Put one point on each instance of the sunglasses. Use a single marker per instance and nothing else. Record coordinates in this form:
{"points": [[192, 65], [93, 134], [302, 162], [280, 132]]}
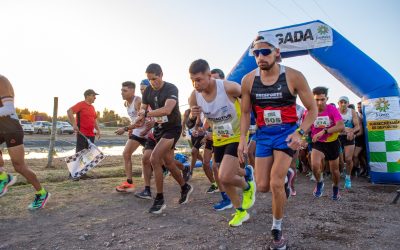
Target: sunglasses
{"points": [[264, 52]]}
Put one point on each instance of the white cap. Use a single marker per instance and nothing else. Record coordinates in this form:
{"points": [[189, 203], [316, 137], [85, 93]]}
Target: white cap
{"points": [[267, 38]]}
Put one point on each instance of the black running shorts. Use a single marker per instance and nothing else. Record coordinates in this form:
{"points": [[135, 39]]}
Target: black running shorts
{"points": [[329, 149], [141, 140], [197, 141], [228, 149], [344, 142], [11, 132], [172, 133]]}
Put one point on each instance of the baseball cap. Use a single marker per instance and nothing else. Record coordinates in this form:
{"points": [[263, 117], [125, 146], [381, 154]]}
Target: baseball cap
{"points": [[267, 38], [344, 98], [270, 39], [89, 92], [145, 82]]}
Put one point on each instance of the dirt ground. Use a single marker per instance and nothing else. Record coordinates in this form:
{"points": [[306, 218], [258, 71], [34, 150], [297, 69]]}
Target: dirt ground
{"points": [[89, 214]]}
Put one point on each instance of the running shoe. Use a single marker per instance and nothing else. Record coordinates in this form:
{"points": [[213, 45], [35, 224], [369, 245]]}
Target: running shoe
{"points": [[319, 189], [249, 196], [39, 201], [185, 193], [335, 194], [6, 183], [144, 194], [347, 183], [238, 218], [223, 204], [212, 189], [125, 187], [277, 240], [157, 207]]}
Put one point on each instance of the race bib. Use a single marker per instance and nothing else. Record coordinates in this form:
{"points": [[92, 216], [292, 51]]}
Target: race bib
{"points": [[161, 119], [272, 117], [322, 122], [223, 130]]}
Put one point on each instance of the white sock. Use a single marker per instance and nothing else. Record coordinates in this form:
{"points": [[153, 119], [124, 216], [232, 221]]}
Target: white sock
{"points": [[276, 224], [347, 176]]}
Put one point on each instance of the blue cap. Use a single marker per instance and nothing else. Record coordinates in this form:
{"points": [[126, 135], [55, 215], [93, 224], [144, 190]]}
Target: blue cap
{"points": [[145, 82]]}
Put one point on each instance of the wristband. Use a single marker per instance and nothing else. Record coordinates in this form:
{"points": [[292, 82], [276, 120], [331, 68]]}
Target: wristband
{"points": [[325, 131], [300, 131]]}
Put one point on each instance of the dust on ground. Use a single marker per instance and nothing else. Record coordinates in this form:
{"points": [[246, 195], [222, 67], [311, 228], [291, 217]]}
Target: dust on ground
{"points": [[89, 214]]}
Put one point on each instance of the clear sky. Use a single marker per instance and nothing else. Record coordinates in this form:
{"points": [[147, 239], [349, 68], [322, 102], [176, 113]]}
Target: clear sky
{"points": [[61, 48]]}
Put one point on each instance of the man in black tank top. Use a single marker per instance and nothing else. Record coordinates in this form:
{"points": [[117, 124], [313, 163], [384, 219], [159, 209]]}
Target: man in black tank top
{"points": [[162, 97], [270, 90], [12, 134]]}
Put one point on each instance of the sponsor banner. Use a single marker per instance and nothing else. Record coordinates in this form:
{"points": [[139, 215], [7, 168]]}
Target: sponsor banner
{"points": [[383, 113], [304, 37], [382, 109], [383, 125]]}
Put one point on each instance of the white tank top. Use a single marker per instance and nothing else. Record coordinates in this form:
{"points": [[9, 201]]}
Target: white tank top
{"points": [[223, 115], [348, 118], [132, 112]]}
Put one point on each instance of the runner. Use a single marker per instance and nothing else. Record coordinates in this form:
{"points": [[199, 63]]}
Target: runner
{"points": [[195, 143], [271, 91], [162, 97], [359, 159], [225, 202], [147, 170], [199, 137], [132, 104], [326, 146], [218, 100], [12, 134], [346, 137]]}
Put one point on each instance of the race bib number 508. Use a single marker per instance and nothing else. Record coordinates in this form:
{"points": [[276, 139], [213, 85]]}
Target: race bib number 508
{"points": [[272, 117]]}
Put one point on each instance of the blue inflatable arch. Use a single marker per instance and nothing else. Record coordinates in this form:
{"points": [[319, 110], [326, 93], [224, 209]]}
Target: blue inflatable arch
{"points": [[360, 74]]}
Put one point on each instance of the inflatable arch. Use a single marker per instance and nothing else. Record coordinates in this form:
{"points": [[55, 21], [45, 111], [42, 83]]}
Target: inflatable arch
{"points": [[358, 72]]}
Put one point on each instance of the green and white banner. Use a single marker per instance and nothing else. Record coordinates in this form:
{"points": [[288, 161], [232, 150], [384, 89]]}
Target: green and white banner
{"points": [[383, 126]]}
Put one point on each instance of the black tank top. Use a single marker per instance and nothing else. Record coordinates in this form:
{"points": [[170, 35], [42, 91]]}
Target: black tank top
{"points": [[276, 97]]}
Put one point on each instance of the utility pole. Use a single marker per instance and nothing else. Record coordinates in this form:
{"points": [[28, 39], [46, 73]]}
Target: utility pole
{"points": [[53, 134]]}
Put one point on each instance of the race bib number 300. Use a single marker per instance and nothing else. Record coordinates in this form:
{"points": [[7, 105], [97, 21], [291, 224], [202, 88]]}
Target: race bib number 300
{"points": [[322, 122], [223, 130], [272, 117]]}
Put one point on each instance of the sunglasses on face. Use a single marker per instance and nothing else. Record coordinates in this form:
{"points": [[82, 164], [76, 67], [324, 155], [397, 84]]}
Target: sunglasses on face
{"points": [[320, 100], [264, 52]]}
